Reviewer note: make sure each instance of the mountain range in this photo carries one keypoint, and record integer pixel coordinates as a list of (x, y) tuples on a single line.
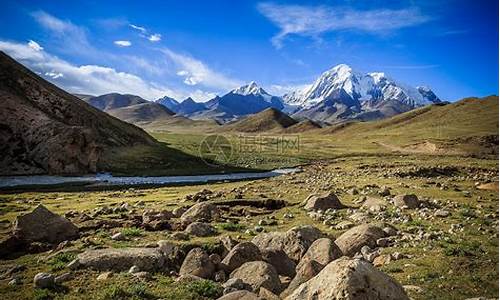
[(339, 94)]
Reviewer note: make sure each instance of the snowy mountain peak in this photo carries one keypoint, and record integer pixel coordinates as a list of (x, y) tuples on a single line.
[(250, 89), (342, 84)]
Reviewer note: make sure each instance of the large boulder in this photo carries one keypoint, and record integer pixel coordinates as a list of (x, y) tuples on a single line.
[(306, 271), (350, 279), (280, 261), (240, 254), (258, 274), (323, 202), (406, 201), (323, 251), (294, 242), (200, 212), (240, 295), (200, 229), (122, 259), (42, 225), (355, 238), (197, 263)]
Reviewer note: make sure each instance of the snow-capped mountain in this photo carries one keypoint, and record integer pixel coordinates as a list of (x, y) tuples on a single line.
[(245, 100), (342, 93), (353, 88)]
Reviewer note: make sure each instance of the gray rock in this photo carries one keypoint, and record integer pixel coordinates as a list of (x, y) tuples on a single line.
[(44, 281), (240, 254), (240, 295), (280, 261), (258, 274), (197, 263), (410, 201), (41, 225), (350, 279), (63, 278), (323, 251), (201, 211), (323, 202), (355, 238), (122, 259), (200, 229), (294, 242)]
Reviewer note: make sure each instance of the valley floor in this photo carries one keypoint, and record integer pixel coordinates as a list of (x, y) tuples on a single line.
[(441, 257)]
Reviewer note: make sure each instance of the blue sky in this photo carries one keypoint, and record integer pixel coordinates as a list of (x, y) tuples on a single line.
[(204, 48)]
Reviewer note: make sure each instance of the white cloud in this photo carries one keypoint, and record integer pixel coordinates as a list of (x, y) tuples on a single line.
[(140, 28), (87, 79), (70, 37), (34, 45), (123, 43), (54, 75), (196, 72), (314, 20), (155, 37)]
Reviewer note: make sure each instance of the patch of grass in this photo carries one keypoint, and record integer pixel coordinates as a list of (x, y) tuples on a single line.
[(467, 212), (465, 248), (200, 289), (231, 226), (42, 294), (61, 260), (114, 292), (132, 232)]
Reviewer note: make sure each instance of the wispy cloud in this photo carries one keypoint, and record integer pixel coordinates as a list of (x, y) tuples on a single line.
[(90, 79), (34, 45), (71, 37), (312, 21), (152, 37), (123, 43), (195, 72), (155, 37), (140, 28)]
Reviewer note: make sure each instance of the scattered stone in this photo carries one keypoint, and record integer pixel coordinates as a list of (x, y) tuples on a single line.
[(240, 254), (197, 263), (355, 238), (44, 281), (413, 288), (347, 278), (374, 205), (406, 201), (258, 274), (441, 213), (227, 243), (42, 225), (156, 220), (323, 202), (118, 237), (382, 260), (201, 211), (200, 229), (105, 276), (147, 259), (134, 269)]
